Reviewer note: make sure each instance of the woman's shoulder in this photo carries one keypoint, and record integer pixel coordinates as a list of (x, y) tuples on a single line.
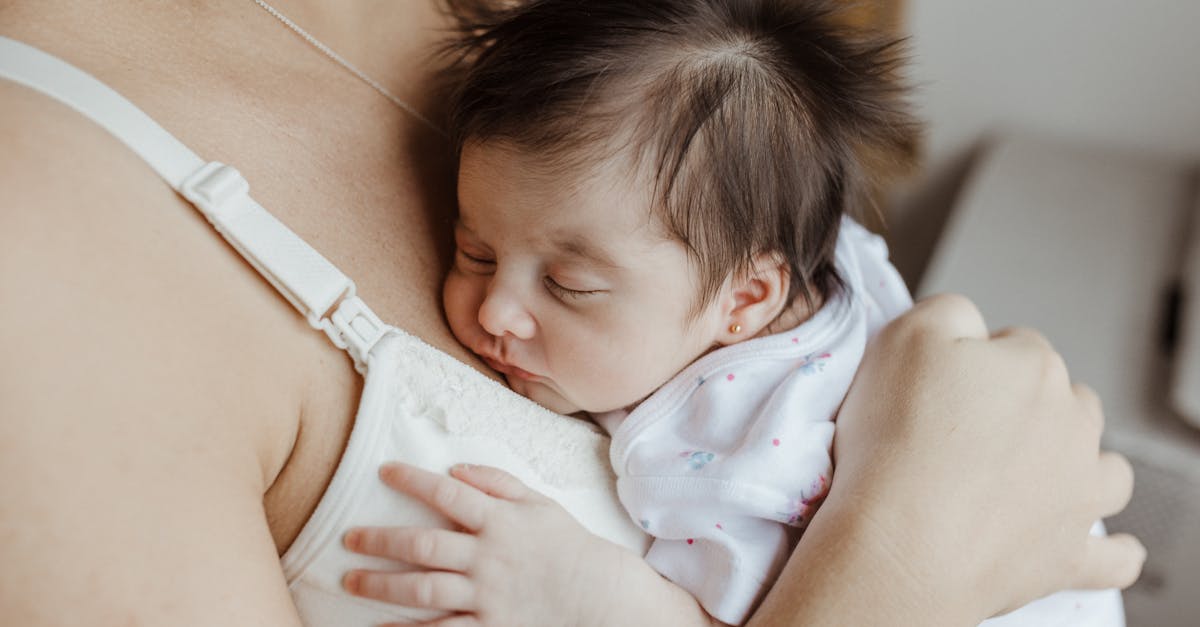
[(143, 408), (85, 222)]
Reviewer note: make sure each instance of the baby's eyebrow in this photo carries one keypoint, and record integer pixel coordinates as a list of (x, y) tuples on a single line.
[(461, 228), (577, 246)]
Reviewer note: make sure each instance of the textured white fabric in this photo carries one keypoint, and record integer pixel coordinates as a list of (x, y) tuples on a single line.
[(727, 462)]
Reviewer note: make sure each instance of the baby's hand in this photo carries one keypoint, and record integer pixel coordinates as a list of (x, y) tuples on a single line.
[(520, 558)]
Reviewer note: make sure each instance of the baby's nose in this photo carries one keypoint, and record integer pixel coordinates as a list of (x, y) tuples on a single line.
[(502, 313)]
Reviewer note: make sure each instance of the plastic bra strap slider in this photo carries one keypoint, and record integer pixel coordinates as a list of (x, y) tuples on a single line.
[(354, 328), (215, 189)]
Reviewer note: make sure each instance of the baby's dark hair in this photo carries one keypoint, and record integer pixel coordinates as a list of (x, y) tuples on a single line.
[(758, 118)]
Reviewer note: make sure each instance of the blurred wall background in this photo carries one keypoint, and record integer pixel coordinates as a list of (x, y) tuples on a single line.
[(1122, 75)]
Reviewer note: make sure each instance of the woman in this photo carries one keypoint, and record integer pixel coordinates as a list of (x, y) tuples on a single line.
[(170, 424)]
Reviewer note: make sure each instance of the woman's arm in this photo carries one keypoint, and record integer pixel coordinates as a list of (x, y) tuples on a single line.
[(968, 475)]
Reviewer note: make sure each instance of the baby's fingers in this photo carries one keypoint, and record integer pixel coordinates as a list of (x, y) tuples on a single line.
[(438, 591), (493, 481), (432, 548), (460, 502), (457, 620)]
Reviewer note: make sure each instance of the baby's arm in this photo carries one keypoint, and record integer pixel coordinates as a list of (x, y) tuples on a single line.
[(519, 559)]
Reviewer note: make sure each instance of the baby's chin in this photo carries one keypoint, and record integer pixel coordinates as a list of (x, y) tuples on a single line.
[(543, 395), (551, 399)]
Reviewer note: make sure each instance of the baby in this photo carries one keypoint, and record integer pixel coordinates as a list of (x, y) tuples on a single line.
[(654, 230)]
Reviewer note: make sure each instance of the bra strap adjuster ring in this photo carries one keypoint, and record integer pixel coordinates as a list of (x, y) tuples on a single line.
[(354, 328)]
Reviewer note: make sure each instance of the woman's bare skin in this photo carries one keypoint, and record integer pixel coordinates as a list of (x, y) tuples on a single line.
[(177, 417)]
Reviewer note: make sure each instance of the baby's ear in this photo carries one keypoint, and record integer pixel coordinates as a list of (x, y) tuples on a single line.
[(755, 297)]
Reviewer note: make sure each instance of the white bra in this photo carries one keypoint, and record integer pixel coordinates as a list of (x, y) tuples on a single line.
[(418, 405)]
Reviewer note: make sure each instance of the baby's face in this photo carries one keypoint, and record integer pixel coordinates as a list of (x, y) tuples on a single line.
[(567, 286)]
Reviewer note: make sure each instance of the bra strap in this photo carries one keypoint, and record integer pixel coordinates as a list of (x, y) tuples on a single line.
[(322, 294)]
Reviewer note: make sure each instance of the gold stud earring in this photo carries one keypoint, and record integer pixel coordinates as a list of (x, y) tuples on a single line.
[(735, 328)]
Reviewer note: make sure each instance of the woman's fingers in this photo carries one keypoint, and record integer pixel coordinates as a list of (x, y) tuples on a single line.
[(1111, 562), (434, 590), (1115, 483), (493, 481), (440, 549), (949, 315), (1092, 408), (458, 501), (982, 418), (1035, 353), (1024, 335)]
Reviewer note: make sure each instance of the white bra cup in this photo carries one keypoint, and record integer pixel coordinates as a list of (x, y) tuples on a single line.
[(428, 409)]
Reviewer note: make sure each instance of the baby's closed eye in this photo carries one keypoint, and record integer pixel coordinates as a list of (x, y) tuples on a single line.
[(474, 261), (556, 287)]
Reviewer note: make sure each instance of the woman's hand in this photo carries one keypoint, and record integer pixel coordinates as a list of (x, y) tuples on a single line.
[(968, 473), (519, 559)]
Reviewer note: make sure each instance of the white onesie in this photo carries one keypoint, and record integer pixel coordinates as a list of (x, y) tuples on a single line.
[(726, 462)]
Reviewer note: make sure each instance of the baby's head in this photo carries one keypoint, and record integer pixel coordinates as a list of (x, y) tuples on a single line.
[(641, 181)]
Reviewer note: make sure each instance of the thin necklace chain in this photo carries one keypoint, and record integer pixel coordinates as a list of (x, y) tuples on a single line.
[(337, 58)]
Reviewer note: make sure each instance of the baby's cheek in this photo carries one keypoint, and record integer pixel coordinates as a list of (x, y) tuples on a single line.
[(460, 298), (626, 378)]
